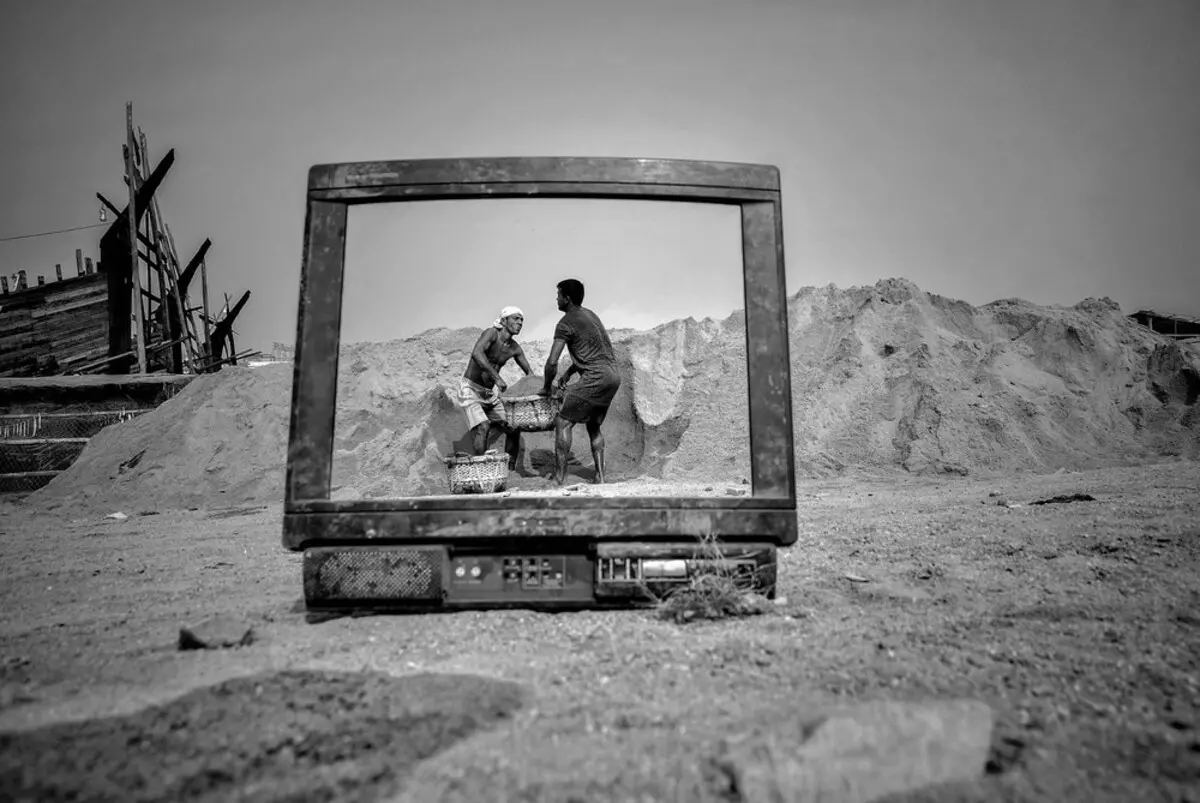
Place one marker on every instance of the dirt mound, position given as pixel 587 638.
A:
pixel 220 440
pixel 883 377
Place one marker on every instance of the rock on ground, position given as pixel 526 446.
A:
pixel 863 752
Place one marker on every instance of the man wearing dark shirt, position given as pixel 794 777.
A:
pixel 587 401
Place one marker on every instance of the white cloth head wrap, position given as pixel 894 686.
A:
pixel 504 313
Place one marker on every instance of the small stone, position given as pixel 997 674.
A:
pixel 215 633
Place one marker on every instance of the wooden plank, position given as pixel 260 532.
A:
pixel 58 272
pixel 99 363
pixel 65 302
pixel 6 417
pixel 81 336
pixel 97 300
pixel 90 331
pixel 80 353
pixel 86 309
pixel 16 329
pixel 79 261
pixel 15 325
pixel 76 359
pixel 80 320
pixel 88 268
pixel 22 367
pixel 72 288
pixel 33 344
pixel 20 345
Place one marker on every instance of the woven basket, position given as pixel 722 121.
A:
pixel 531 413
pixel 485 474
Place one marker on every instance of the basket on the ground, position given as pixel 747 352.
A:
pixel 485 474
pixel 531 413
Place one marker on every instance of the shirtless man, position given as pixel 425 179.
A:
pixel 587 401
pixel 480 387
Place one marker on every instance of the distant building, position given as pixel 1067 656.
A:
pixel 1181 327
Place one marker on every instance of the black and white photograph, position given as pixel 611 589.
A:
pixel 566 401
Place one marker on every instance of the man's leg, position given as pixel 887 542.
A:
pixel 562 448
pixel 481 433
pixel 512 445
pixel 595 420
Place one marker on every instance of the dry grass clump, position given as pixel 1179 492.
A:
pixel 718 592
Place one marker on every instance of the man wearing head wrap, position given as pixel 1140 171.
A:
pixel 480 387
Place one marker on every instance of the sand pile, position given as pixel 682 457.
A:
pixel 884 377
pixel 889 375
pixel 220 440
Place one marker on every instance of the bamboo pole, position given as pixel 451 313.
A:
pixel 153 228
pixel 168 261
pixel 204 300
pixel 130 170
pixel 188 322
pixel 179 296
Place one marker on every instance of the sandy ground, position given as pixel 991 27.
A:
pixel 1079 623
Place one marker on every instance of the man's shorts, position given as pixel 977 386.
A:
pixel 479 403
pixel 593 393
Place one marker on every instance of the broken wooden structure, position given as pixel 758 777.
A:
pixel 133 313
pixel 1178 327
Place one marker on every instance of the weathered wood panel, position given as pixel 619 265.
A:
pixel 49 327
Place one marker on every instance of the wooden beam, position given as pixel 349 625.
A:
pixel 78 261
pixel 58 272
pixel 120 228
pixel 88 268
pixel 232 359
pixel 111 207
pixel 189 272
pixel 224 329
pixel 99 363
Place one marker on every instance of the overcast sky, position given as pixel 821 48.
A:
pixel 1045 149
